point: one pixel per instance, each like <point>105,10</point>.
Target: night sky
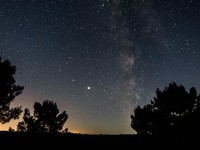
<point>99,59</point>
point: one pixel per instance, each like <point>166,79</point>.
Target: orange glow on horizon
<point>12,124</point>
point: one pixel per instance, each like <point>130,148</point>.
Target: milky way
<point>98,60</point>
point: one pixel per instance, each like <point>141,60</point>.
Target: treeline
<point>174,111</point>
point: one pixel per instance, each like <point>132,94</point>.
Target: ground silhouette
<point>29,140</point>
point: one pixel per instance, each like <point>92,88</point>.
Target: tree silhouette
<point>173,111</point>
<point>8,91</point>
<point>46,118</point>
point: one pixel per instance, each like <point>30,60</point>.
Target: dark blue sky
<point>98,59</point>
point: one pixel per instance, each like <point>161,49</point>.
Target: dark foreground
<point>75,141</point>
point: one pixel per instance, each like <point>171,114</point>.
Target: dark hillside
<point>27,140</point>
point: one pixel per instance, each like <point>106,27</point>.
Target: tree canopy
<point>46,118</point>
<point>173,111</point>
<point>8,91</point>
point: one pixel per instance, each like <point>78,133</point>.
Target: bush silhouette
<point>173,111</point>
<point>8,91</point>
<point>46,118</point>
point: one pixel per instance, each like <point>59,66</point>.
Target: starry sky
<point>99,59</point>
